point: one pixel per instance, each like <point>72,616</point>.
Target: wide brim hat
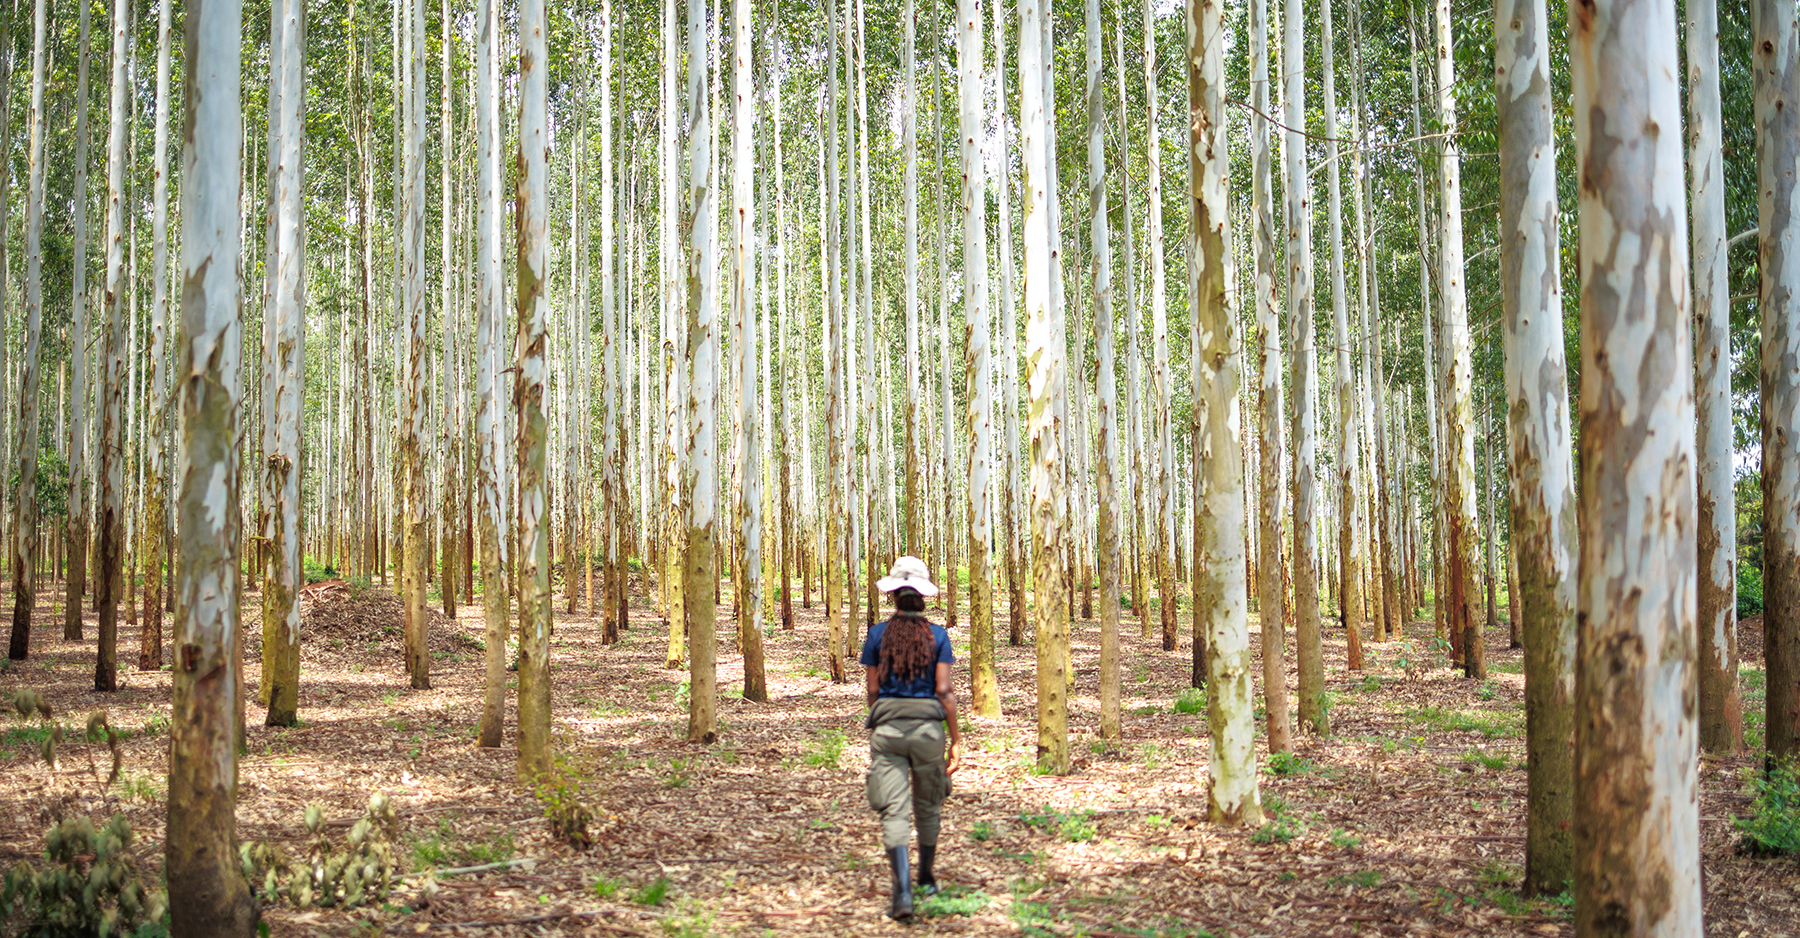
<point>908,573</point>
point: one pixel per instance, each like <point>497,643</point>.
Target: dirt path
<point>1407,821</point>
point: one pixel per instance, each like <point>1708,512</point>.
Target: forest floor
<point>1407,820</point>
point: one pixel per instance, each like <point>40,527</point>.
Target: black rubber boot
<point>927,881</point>
<point>901,910</point>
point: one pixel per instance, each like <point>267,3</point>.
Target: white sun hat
<point>908,573</point>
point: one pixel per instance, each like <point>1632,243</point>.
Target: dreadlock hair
<point>907,646</point>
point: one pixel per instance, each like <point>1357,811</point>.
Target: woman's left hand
<point>953,760</point>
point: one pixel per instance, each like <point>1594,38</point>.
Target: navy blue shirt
<point>924,684</point>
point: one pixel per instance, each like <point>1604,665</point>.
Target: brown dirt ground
<point>1398,828</point>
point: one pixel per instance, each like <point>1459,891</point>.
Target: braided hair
<point>907,647</point>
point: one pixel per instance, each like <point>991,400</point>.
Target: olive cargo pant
<point>906,763</point>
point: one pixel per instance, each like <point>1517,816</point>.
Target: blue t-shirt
<point>924,684</point>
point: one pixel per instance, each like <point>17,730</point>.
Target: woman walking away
<point>912,697</point>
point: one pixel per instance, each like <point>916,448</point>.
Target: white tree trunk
<point>284,359</point>
<point>1272,595</point>
<point>77,546</point>
<point>1221,593</point>
<point>701,579</point>
<point>972,130</point>
<point>201,849</point>
<point>1543,476</point>
<point>744,345</point>
<point>1159,338</point>
<point>490,313</point>
<point>1305,377</point>
<point>1721,706</point>
<point>1106,541</point>
<point>531,374</point>
<point>156,482</point>
<point>112,374</point>
<point>1637,835</point>
<point>1348,465</point>
<point>1462,533</point>
<point>1044,351</point>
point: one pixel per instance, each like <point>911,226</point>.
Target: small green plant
<point>825,749</point>
<point>1371,683</point>
<point>679,771</point>
<point>606,887</point>
<point>1191,701</point>
<point>1279,830</point>
<point>694,923</point>
<point>328,875</point>
<point>652,893</point>
<point>1365,879</point>
<point>1345,839</point>
<point>445,846</point>
<point>1073,826</point>
<point>1773,826</point>
<point>953,900</point>
<point>1494,762</point>
<point>88,885</point>
<point>568,815</point>
<point>1488,690</point>
<point>982,831</point>
<point>1499,873</point>
<point>1286,763</point>
<point>142,788</point>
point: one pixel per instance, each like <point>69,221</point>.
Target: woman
<point>912,697</point>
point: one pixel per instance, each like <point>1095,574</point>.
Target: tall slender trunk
<point>75,587</point>
<point>833,560</point>
<point>1106,545</point>
<point>112,385</point>
<point>1462,538</point>
<point>1221,592</point>
<point>25,519</point>
<point>284,359</point>
<point>674,349</point>
<point>416,497</point>
<point>201,848</point>
<point>909,234</point>
<point>490,284</point>
<point>977,310</point>
<point>155,483</point>
<point>1012,557</point>
<point>1348,465</point>
<point>700,575</point>
<point>946,413</point>
<point>1777,87</point>
<point>1272,596</point>
<point>1305,376</point>
<point>1044,351</point>
<point>530,378</point>
<point>1134,363</point>
<point>1544,534</point>
<point>748,582</point>
<point>1159,337</point>
<point>1636,761</point>
<point>1721,706</point>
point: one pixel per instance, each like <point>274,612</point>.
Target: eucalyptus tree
<point>1221,593</point>
<point>1348,466</point>
<point>1271,595</point>
<point>674,343</point>
<point>1462,535</point>
<point>1159,337</point>
<point>112,375</point>
<point>1537,404</point>
<point>909,302</point>
<point>1106,545</point>
<point>972,125</point>
<point>284,358</point>
<point>75,586</point>
<point>1721,706</point>
<point>25,504</point>
<point>417,494</point>
<point>156,547</point>
<point>1134,357</point>
<point>530,379</point>
<point>1011,555</point>
<point>1304,364</point>
<point>748,581</point>
<point>1434,418</point>
<point>490,282</point>
<point>1777,89</point>
<point>201,855</point>
<point>700,578</point>
<point>1044,353</point>
<point>1637,835</point>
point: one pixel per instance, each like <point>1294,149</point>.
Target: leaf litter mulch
<point>1407,820</point>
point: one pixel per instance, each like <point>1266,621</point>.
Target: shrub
<point>73,895</point>
<point>327,875</point>
<point>1773,826</point>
